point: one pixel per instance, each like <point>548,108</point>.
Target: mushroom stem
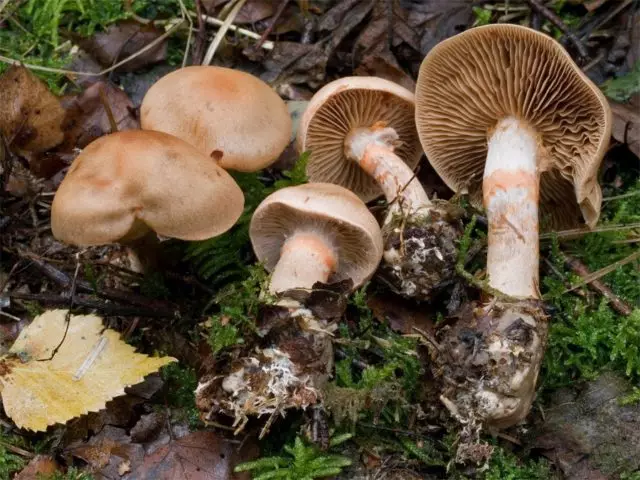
<point>305,258</point>
<point>373,149</point>
<point>511,193</point>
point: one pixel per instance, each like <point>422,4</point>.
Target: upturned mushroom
<point>131,185</point>
<point>504,113</point>
<point>317,232</point>
<point>361,135</point>
<point>312,236</point>
<point>231,116</point>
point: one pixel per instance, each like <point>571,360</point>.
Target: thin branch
<point>267,45</point>
<point>587,279</point>
<point>274,20</point>
<point>619,305</point>
<point>557,21</point>
<point>215,43</point>
<point>578,232</point>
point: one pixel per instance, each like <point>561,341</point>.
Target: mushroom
<point>316,232</point>
<point>361,135</point>
<point>232,116</point>
<point>504,113</point>
<point>308,235</point>
<point>125,186</point>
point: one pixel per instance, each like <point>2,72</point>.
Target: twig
<point>557,21</point>
<point>86,301</point>
<point>274,20</point>
<point>581,269</point>
<point>607,18</point>
<point>215,43</point>
<point>18,450</point>
<point>578,232</point>
<point>590,278</point>
<point>107,108</point>
<point>65,281</point>
<point>268,45</point>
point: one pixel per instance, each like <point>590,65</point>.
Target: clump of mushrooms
<point>308,236</point>
<point>504,113</point>
<point>130,186</point>
<point>231,116</point>
<point>360,133</point>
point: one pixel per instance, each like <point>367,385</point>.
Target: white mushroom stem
<point>373,149</point>
<point>305,258</point>
<point>511,192</point>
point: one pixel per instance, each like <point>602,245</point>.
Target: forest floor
<point>99,57</point>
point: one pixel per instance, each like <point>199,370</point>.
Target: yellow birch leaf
<point>92,366</point>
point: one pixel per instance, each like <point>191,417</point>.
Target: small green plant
<point>622,88</point>
<point>302,462</point>
<point>483,16</point>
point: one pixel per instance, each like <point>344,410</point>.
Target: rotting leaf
<point>108,451</point>
<point>291,62</point>
<point>87,118</point>
<point>626,125</point>
<point>31,116</point>
<point>82,376</point>
<point>402,317</point>
<point>40,466</point>
<point>198,456</point>
<point>123,39</point>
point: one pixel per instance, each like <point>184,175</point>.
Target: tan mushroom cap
<point>349,103</point>
<point>228,114</point>
<point>123,185</point>
<point>323,208</point>
<point>469,82</point>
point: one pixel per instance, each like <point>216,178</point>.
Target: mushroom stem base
<point>420,252</point>
<point>305,258</point>
<point>373,149</point>
<point>511,192</point>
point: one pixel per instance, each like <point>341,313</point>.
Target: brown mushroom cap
<point>125,184</point>
<point>469,82</point>
<point>350,103</point>
<point>231,115</point>
<point>326,209</point>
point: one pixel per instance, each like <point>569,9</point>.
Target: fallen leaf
<point>85,373</point>
<point>123,39</point>
<point>292,62</point>
<point>108,453</point>
<point>198,456</point>
<point>148,427</point>
<point>31,116</point>
<point>86,115</point>
<point>40,466</point>
<point>588,433</point>
<point>402,316</point>
<point>626,125</point>
<point>437,20</point>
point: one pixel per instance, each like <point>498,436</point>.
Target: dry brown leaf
<point>123,39</point>
<point>198,456</point>
<point>92,366</point>
<point>41,466</point>
<point>626,125</point>
<point>87,119</point>
<point>31,116</point>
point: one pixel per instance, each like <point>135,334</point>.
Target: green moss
<point>72,473</point>
<point>586,335</point>
<point>180,385</point>
<point>622,88</point>
<point>10,463</point>
<point>506,466</point>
